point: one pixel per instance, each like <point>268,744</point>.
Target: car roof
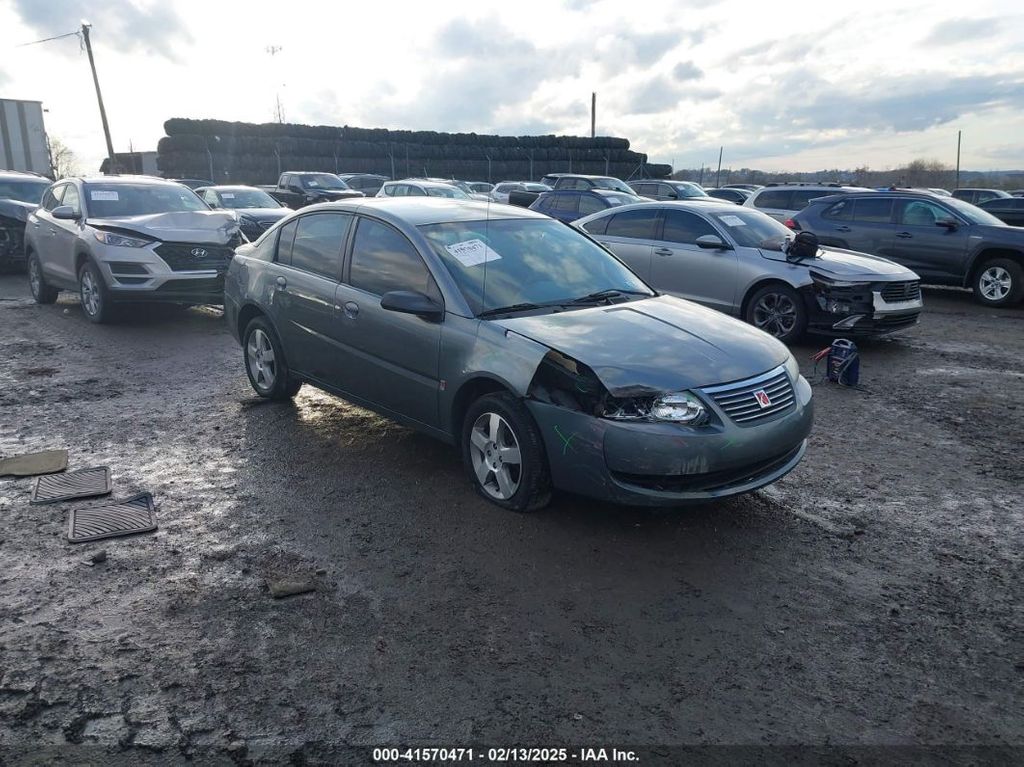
<point>915,194</point>
<point>602,192</point>
<point>417,211</point>
<point>128,179</point>
<point>228,187</point>
<point>427,183</point>
<point>25,175</point>
<point>703,207</point>
<point>802,185</point>
<point>580,175</point>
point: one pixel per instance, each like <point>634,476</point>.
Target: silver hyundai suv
<point>118,239</point>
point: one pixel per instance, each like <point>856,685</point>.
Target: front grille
<point>901,291</point>
<point>180,257</point>
<point>740,402</point>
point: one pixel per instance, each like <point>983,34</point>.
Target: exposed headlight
<point>793,368</point>
<point>119,240</point>
<point>681,407</point>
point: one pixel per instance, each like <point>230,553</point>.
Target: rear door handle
<point>843,228</point>
<point>351,309</point>
<point>281,283</point>
<point>905,236</point>
<point>663,252</point>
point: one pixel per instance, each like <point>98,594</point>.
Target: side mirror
<point>412,302</point>
<point>66,213</point>
<point>712,242</point>
<point>947,223</point>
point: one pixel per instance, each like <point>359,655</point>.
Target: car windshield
<point>752,229</point>
<point>25,191</point>
<point>537,187</point>
<point>622,199</point>
<point>525,262</point>
<point>119,200</point>
<point>689,190</point>
<point>972,213</point>
<point>322,181</point>
<point>247,198</point>
<point>446,191</point>
<point>612,183</point>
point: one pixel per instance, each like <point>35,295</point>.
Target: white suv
<point>128,239</point>
<point>783,201</point>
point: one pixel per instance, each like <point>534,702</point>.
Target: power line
<point>48,39</point>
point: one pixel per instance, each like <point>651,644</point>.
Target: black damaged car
<point>20,194</point>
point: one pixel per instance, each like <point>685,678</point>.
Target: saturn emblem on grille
<point>199,252</point>
<point>762,398</point>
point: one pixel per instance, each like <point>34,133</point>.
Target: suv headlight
<point>680,407</point>
<point>119,240</point>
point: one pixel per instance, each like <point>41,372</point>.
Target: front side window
<point>921,213</point>
<point>873,210</point>
<point>72,199</point>
<point>564,203</point>
<point>318,242</point>
<point>52,197</point>
<point>635,224</point>
<point>505,262</point>
<point>383,260</point>
<point>684,227</point>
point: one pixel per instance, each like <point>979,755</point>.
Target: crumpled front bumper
<point>12,241</point>
<point>662,464</point>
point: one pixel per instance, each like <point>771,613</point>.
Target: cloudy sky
<point>784,85</point>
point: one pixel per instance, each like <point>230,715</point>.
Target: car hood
<point>184,226</point>
<point>16,209</point>
<point>847,264</point>
<point>655,345</point>
<point>998,235</point>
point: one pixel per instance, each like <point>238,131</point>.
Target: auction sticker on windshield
<point>100,195</point>
<point>472,252</point>
<point>227,196</point>
<point>732,220</point>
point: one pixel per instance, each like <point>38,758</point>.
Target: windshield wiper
<point>600,295</point>
<point>523,307</point>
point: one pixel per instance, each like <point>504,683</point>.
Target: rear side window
<point>564,203</point>
<point>590,205</point>
<point>284,242</point>
<point>598,225</point>
<point>384,260</point>
<point>875,210</point>
<point>839,211</point>
<point>637,224</point>
<point>773,198</point>
<point>318,242</point>
<point>685,228</point>
<point>801,197</point>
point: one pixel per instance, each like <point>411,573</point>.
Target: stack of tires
<point>250,153</point>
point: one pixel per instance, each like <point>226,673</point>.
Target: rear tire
<point>265,362</point>
<point>778,310</point>
<point>95,297</point>
<point>41,292</point>
<point>999,282</point>
<point>503,452</point>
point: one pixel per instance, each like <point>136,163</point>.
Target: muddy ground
<point>873,597</point>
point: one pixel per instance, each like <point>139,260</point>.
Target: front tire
<point>503,452</point>
<point>41,292</point>
<point>999,282</point>
<point>265,363</point>
<point>95,297</point>
<point>779,311</point>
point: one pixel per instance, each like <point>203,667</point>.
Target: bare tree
<point>62,159</point>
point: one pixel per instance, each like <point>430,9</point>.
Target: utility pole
<point>273,50</point>
<point>718,178</point>
<point>593,115</point>
<point>958,159</point>
<point>86,26</point>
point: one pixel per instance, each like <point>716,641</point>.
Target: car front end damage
<point>861,307</point>
<point>13,217</point>
<point>640,445</point>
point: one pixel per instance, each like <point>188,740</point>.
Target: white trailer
<point>23,137</point>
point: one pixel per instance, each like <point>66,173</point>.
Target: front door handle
<point>905,236</point>
<point>663,252</point>
<point>351,309</point>
<point>842,228</point>
<point>281,283</point>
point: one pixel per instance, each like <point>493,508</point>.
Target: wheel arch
<point>762,283</point>
<point>468,392</point>
<point>985,255</point>
<point>247,314</point>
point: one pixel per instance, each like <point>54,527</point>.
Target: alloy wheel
<point>260,355</point>
<point>775,313</point>
<point>495,455</point>
<point>90,294</point>
<point>995,283</point>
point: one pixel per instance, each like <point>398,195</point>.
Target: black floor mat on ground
<point>112,520</point>
<point>84,483</point>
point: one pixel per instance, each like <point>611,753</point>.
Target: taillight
<point>791,224</point>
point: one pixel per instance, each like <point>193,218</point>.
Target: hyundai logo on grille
<point>199,252</point>
<point>762,398</point>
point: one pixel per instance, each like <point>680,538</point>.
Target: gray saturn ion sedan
<point>522,341</point>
